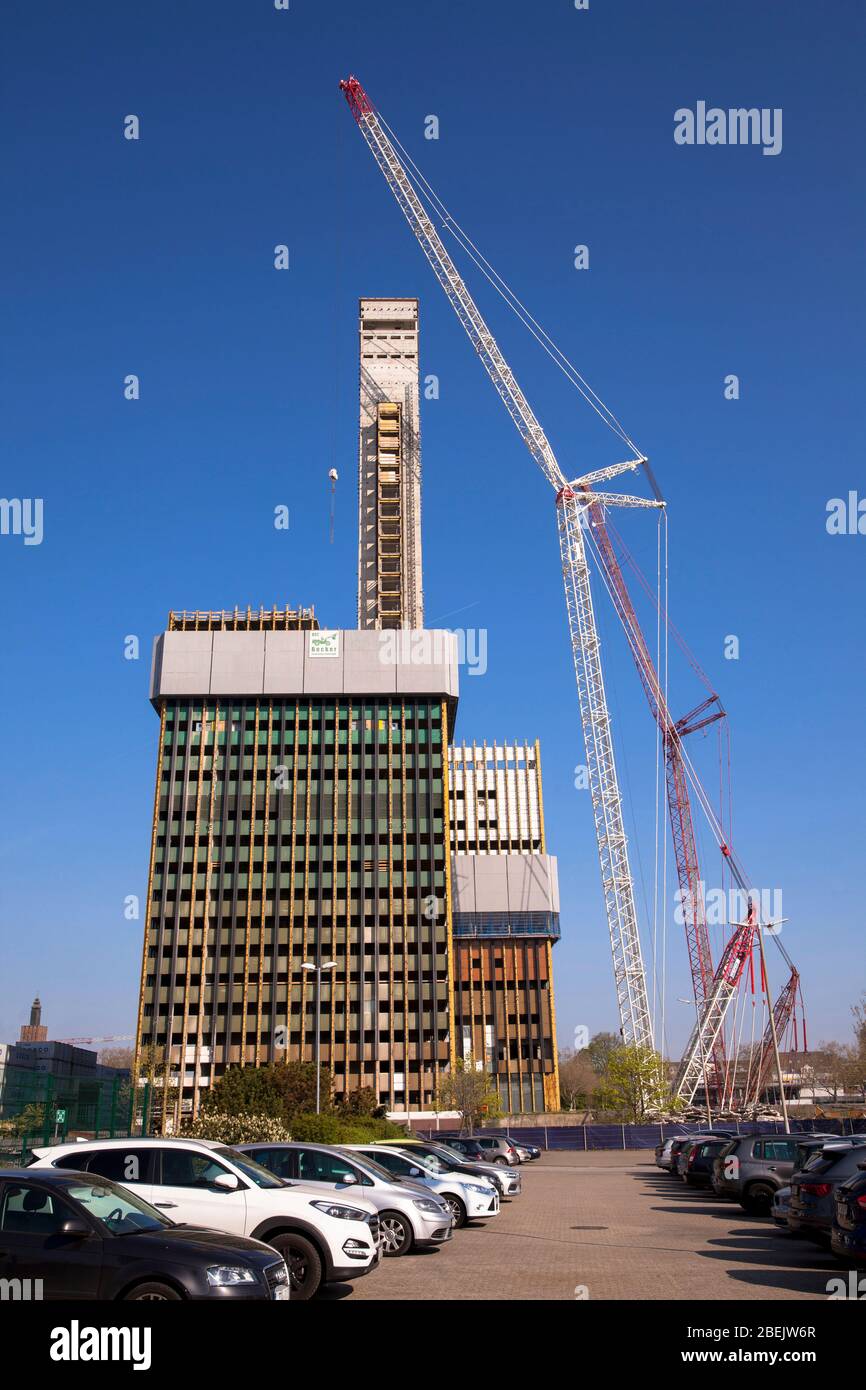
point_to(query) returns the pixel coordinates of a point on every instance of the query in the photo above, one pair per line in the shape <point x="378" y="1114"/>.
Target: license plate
<point x="282" y="1291"/>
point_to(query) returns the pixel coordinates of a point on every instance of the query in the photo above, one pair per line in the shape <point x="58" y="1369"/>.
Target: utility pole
<point x="317" y="970"/>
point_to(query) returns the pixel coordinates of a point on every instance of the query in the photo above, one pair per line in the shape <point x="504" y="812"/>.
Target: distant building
<point x="35" y="1030"/>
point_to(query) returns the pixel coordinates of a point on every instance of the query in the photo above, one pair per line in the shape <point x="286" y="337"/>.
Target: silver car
<point x="410" y="1216"/>
<point x="469" y="1198"/>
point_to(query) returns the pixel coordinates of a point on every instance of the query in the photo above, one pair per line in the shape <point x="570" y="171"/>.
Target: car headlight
<point x="340" y="1212"/>
<point x="218" y="1276"/>
<point x="476" y="1187"/>
<point x="426" y="1204"/>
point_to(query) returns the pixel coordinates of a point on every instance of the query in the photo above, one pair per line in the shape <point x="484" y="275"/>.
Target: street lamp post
<point x="317" y="971"/>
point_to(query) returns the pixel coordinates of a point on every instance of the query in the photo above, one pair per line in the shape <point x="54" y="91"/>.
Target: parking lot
<point x="616" y="1226"/>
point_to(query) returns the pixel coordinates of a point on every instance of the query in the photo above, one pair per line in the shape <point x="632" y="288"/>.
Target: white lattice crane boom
<point x="572" y="501"/>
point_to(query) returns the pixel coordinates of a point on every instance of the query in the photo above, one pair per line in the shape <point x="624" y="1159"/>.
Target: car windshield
<point x="447" y="1154"/>
<point x="117" y="1209"/>
<point x="250" y="1169"/>
<point x="428" y="1161"/>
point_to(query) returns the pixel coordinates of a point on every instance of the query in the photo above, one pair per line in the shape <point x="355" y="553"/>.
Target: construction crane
<point x="580" y="508"/>
<point x="783" y="1012"/>
<point x="571" y="502"/>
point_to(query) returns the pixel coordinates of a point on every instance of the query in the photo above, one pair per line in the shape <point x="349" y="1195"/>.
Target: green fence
<point x="37" y="1109"/>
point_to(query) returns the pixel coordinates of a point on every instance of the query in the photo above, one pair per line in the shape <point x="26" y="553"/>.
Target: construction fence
<point x="585" y="1138"/>
<point x="37" y="1109"/>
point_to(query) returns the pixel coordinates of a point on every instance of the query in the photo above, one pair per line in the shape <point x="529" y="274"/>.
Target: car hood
<point x="177" y="1242"/>
<point x="480" y="1169"/>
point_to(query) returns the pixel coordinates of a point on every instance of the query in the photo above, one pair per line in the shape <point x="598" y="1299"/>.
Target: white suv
<point x="202" y="1183"/>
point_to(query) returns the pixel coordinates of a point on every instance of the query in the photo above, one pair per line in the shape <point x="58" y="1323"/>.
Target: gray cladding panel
<point x="279" y="664"/>
<point x="504" y="883"/>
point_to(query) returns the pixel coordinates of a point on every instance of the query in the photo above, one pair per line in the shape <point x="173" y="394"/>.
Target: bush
<point x="280" y="1089"/>
<point x="339" y="1129"/>
<point x="236" y="1129"/>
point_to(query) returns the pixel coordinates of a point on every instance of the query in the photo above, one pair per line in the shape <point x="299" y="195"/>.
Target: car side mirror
<point x="226" y="1182"/>
<point x="75" y="1228"/>
<point x="414" y="1172"/>
<point x="348" y="1179"/>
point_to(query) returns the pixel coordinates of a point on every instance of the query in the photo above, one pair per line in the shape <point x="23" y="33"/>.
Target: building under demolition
<point x="322" y="846"/>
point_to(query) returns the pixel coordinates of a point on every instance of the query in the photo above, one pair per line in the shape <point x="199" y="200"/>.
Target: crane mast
<point x="571" y="502"/>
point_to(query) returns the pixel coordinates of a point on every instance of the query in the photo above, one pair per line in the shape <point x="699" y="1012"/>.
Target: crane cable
<point x="542" y="337"/>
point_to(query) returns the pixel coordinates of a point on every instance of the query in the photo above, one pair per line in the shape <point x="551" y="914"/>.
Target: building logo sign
<point x="323" y="644"/>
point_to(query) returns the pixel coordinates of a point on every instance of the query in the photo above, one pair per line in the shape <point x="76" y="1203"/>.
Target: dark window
<point x="32" y="1211"/>
<point x="127" y="1166"/>
<point x="187" y="1168"/>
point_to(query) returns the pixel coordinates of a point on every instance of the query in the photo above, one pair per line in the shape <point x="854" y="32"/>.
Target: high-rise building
<point x="390" y="591"/>
<point x="300" y="849"/>
<point x="323" y="850"/>
<point x="505" y="919"/>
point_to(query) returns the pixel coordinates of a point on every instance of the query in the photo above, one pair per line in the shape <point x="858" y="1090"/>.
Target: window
<point x="187" y="1168"/>
<point x="775" y="1150"/>
<point x="32" y="1211"/>
<point x="120" y="1212"/>
<point x="121" y="1165"/>
<point x="317" y="1166"/>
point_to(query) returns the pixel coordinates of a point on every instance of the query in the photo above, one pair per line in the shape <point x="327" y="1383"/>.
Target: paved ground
<point x="616" y="1225"/>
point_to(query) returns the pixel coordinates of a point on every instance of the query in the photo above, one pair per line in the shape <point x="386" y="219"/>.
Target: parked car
<point x="208" y="1184"/>
<point x="848" y="1234"/>
<point x="813" y="1186"/>
<point x="469" y="1198"/>
<point x="498" y="1148"/>
<point x="780" y="1206"/>
<point x="507" y="1180"/>
<point x="676" y="1145"/>
<point x="74" y="1234"/>
<point x="697" y="1170"/>
<point x="464" y="1144"/>
<point x="750" y="1168"/>
<point x="409" y="1216"/>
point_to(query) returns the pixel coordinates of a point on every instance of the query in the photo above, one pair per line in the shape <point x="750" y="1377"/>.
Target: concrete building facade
<point x="390" y="592"/>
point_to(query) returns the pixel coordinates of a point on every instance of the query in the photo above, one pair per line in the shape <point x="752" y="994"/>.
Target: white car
<point x="469" y="1198"/>
<point x="202" y="1183"/>
<point x="410" y="1215"/>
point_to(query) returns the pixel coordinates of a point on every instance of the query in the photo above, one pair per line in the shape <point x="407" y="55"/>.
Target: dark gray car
<point x="750" y="1169"/>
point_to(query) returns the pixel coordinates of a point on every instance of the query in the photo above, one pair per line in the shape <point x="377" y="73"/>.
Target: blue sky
<point x="155" y="257"/>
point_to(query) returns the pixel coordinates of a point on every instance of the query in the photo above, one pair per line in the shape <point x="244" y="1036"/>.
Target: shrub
<point x="339" y="1129"/>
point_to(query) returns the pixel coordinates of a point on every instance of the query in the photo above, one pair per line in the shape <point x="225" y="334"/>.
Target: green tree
<point x="279" y="1089"/>
<point x="600" y="1049"/>
<point x="469" y="1090"/>
<point x="365" y="1102"/>
<point x="635" y="1083"/>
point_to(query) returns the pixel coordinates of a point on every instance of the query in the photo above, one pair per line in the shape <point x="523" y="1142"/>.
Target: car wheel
<point x="396" y="1233"/>
<point x="457" y="1209"/>
<point x="304" y="1264"/>
<point x="502" y="1160"/>
<point x="756" y="1200"/>
<point x="152" y="1292"/>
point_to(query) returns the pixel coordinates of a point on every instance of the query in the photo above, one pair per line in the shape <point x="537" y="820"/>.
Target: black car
<point x="463" y="1144"/>
<point x="848" y="1236"/>
<point x="698" y="1171"/>
<point x="64" y="1235"/>
<point x="813" y="1187"/>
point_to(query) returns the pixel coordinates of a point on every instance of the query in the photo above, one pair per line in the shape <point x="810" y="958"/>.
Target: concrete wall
<point x="281" y="663"/>
<point x="504" y="883"/>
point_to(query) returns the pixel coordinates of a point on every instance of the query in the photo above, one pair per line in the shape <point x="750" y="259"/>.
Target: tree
<point x="236" y="1129"/>
<point x="469" y="1090"/>
<point x="578" y="1079"/>
<point x="635" y="1083"/>
<point x="600" y="1049"/>
<point x="279" y="1089"/>
<point x="122" y="1057"/>
<point x="363" y="1102"/>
